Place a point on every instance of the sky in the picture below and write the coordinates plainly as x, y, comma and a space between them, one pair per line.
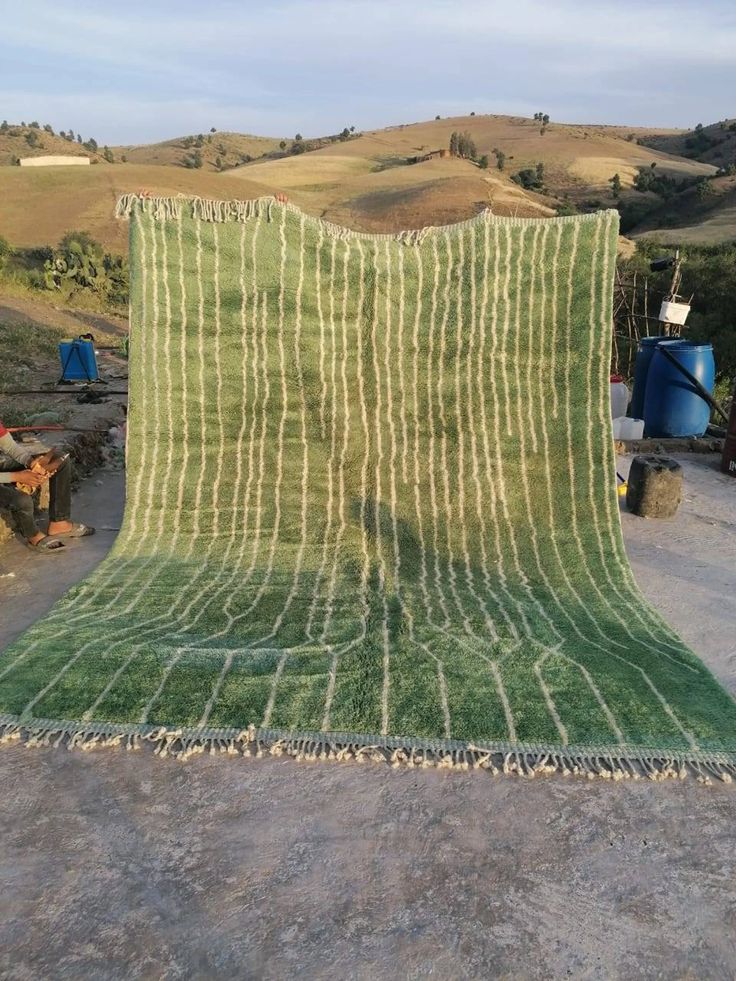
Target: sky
134, 72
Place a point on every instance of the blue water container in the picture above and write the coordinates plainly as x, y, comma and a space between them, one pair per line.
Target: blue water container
644, 354
78, 361
672, 404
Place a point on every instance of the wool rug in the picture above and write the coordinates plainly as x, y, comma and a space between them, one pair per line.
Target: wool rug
371, 511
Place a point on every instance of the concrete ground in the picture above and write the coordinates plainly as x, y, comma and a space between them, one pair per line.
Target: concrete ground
116, 865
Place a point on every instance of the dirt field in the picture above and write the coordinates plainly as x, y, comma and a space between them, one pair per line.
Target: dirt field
118, 865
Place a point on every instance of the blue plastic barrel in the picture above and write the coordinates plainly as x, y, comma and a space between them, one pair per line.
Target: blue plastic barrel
672, 404
78, 361
644, 354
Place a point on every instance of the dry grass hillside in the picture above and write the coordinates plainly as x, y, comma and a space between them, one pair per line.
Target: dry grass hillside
714, 144
691, 218
229, 148
364, 182
576, 158
32, 141
39, 206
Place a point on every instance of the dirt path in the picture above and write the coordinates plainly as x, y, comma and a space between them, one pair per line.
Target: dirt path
20, 310
118, 865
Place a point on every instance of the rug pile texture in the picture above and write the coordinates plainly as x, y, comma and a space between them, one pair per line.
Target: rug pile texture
371, 511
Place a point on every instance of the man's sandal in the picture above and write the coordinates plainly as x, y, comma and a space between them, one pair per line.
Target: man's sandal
46, 545
77, 530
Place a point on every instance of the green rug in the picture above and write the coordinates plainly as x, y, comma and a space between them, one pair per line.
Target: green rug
371, 511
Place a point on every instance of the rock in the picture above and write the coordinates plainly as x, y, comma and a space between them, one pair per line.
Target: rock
654, 486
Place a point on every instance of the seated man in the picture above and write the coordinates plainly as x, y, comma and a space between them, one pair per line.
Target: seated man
14, 461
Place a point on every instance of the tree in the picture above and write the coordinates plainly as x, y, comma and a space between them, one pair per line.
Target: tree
123, 158
615, 183
218, 163
70, 135
213, 130
282, 144
438, 117
461, 145
197, 159
108, 155
345, 134
4, 126
32, 138
500, 159
34, 124
467, 147
79, 137
298, 138
545, 118
352, 129
472, 114
49, 128
483, 162
540, 172
91, 145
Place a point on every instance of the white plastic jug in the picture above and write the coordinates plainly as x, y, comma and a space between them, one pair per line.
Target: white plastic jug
619, 397
625, 428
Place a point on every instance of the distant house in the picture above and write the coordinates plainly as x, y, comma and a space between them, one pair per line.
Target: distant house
432, 155
60, 161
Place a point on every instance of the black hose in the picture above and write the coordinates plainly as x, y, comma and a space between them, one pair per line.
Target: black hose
699, 388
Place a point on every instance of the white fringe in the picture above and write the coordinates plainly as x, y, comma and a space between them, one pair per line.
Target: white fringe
208, 209
614, 763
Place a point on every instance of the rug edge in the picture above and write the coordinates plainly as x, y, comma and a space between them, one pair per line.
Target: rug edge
613, 762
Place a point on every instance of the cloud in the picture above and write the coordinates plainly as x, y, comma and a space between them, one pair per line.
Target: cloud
315, 65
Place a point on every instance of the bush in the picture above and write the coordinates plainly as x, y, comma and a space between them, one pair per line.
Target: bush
79, 263
5, 251
531, 179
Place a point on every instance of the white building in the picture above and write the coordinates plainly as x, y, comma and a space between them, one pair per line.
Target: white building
60, 161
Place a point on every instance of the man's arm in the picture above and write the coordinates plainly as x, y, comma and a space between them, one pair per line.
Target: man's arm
22, 456
14, 450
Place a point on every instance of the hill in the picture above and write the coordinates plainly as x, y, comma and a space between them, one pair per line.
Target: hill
216, 150
364, 181
704, 214
714, 144
35, 141
40, 206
